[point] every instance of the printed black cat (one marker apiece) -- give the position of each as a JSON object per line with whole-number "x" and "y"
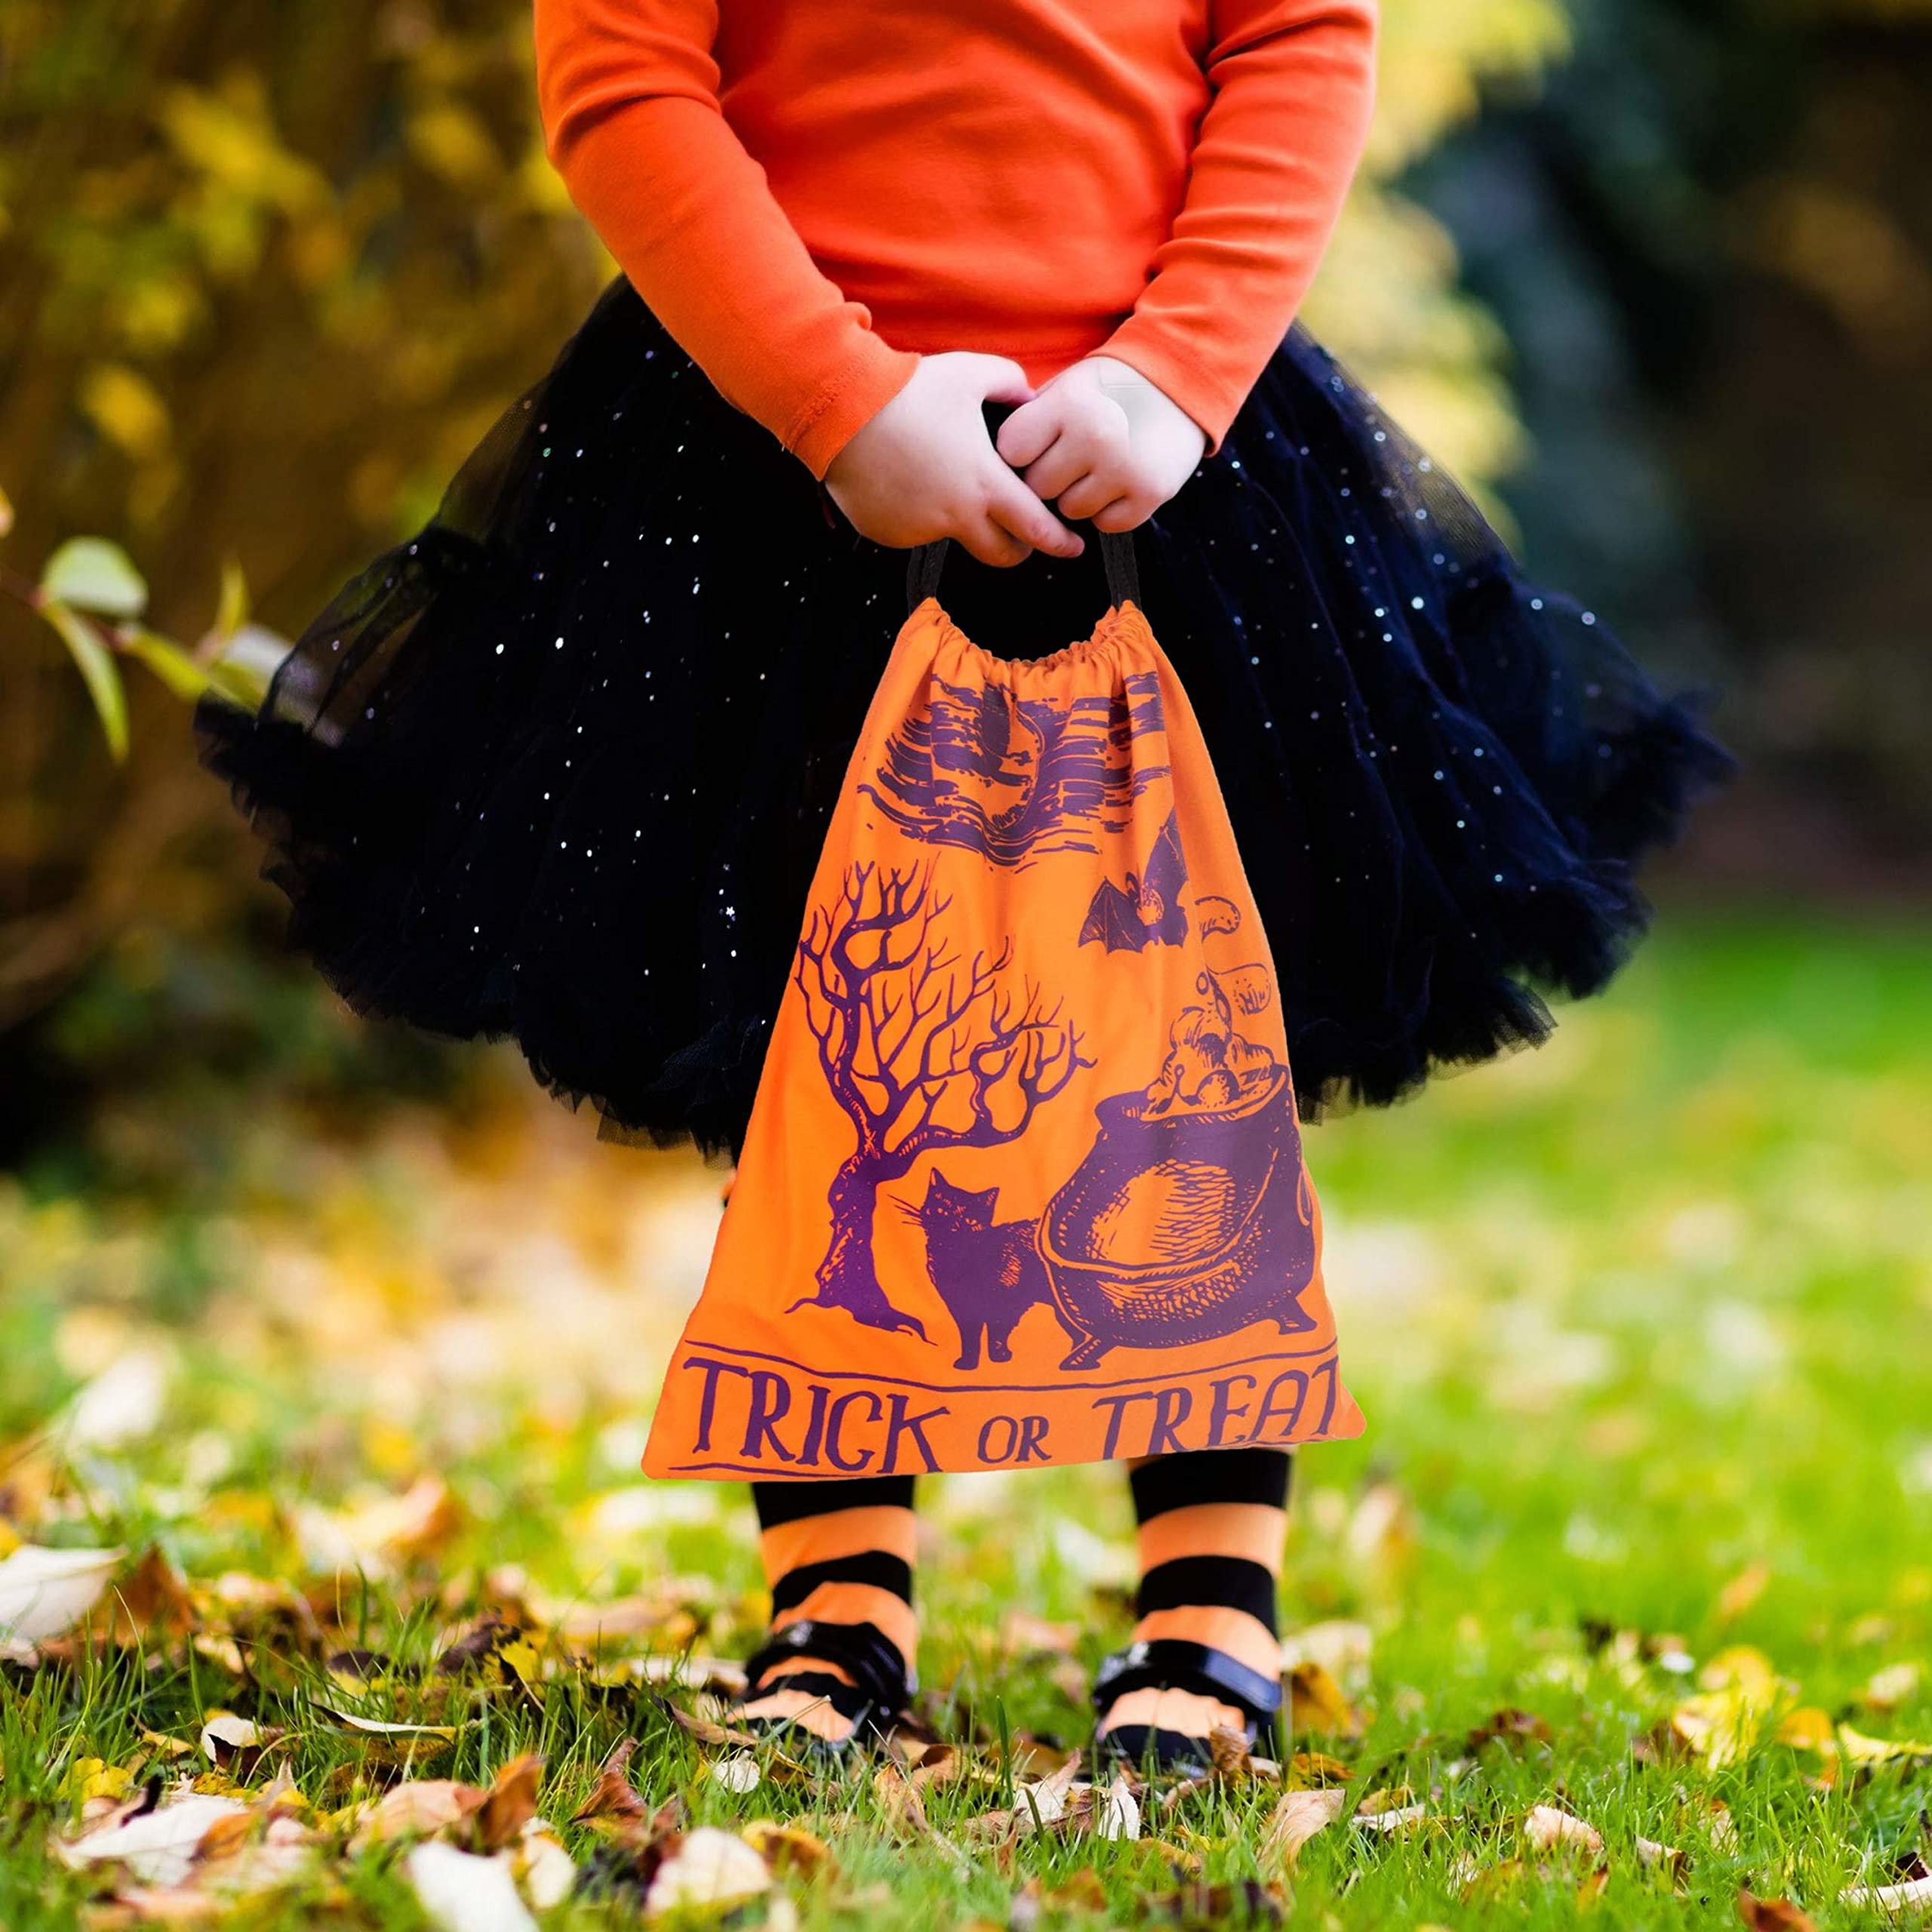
{"x": 988, "y": 1273}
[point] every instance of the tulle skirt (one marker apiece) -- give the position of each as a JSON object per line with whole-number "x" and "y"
{"x": 558, "y": 767}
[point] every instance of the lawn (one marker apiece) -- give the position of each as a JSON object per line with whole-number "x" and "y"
{"x": 1622, "y": 1606}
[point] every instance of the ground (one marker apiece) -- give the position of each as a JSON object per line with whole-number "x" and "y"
{"x": 1641, "y": 1531}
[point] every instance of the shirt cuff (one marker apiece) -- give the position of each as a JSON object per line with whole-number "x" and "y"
{"x": 846, "y": 402}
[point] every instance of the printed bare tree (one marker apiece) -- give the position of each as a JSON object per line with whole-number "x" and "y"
{"x": 922, "y": 1049}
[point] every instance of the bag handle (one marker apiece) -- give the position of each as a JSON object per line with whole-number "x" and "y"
{"x": 1116, "y": 553}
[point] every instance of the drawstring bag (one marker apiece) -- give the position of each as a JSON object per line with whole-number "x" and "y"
{"x": 1024, "y": 1183}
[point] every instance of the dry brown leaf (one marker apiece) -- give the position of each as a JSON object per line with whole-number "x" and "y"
{"x": 1477, "y": 1881}
{"x": 510, "y": 1803}
{"x": 1590, "y": 1887}
{"x": 707, "y": 1731}
{"x": 613, "y": 1797}
{"x": 1651, "y": 1852}
{"x": 1197, "y": 1903}
{"x": 442, "y": 1733}
{"x": 1308, "y": 1768}
{"x": 416, "y": 1809}
{"x": 936, "y": 1765}
{"x": 1228, "y": 1751}
{"x": 151, "y": 1604}
{"x": 1392, "y": 1810}
{"x": 1082, "y": 1893}
{"x": 237, "y": 1745}
{"x": 790, "y": 1848}
{"x": 1771, "y": 1914}
{"x": 1316, "y": 1703}
{"x": 1548, "y": 1826}
{"x": 1297, "y": 1817}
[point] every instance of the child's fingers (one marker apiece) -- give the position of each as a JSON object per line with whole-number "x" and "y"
{"x": 1011, "y": 505}
{"x": 1127, "y": 513}
{"x": 1069, "y": 460}
{"x": 1101, "y": 485}
{"x": 1000, "y": 379}
{"x": 1030, "y": 432}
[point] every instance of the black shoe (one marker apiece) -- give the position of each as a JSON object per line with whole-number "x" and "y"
{"x": 876, "y": 1697}
{"x": 1171, "y": 1663}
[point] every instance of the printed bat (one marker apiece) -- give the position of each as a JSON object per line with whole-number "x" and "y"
{"x": 1144, "y": 912}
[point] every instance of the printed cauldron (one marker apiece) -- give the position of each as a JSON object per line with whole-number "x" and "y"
{"x": 1183, "y": 1227}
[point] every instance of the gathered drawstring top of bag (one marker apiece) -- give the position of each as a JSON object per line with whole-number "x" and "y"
{"x": 1120, "y": 633}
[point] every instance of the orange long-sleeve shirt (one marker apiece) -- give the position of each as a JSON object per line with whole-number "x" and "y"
{"x": 810, "y": 193}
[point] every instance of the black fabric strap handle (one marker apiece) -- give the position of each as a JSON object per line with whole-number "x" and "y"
{"x": 1116, "y": 553}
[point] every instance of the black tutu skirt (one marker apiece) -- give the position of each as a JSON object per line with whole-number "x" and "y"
{"x": 560, "y": 767}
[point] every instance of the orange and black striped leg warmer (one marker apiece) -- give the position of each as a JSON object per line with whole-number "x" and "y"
{"x": 838, "y": 1556}
{"x": 1206, "y": 1654}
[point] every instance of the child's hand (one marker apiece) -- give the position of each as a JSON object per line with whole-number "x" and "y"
{"x": 924, "y": 467}
{"x": 1101, "y": 442}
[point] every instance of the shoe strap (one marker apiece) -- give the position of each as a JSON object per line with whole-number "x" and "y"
{"x": 1172, "y": 1663}
{"x": 870, "y": 1660}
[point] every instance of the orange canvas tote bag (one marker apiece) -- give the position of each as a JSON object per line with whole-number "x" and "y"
{"x": 1024, "y": 1181}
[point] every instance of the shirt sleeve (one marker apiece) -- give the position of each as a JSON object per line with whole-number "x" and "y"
{"x": 629, "y": 93}
{"x": 1294, "y": 82}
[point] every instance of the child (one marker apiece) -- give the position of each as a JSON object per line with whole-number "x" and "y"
{"x": 560, "y": 767}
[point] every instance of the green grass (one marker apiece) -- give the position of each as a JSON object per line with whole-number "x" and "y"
{"x": 1629, "y": 1317}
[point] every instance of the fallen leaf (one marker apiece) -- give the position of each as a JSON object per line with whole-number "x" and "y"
{"x": 706, "y": 1731}
{"x": 1316, "y": 1703}
{"x": 44, "y": 1592}
{"x": 1392, "y": 1809}
{"x": 711, "y": 1867}
{"x": 1897, "y": 1683}
{"x": 1651, "y": 1852}
{"x": 738, "y": 1773}
{"x": 1228, "y": 1750}
{"x": 460, "y": 1892}
{"x": 151, "y": 1603}
{"x": 1771, "y": 1914}
{"x": 374, "y": 1727}
{"x": 158, "y": 1847}
{"x": 510, "y": 1803}
{"x": 1913, "y": 1893}
{"x": 1311, "y": 1767}
{"x": 1807, "y": 1728}
{"x": 1297, "y": 1817}
{"x": 936, "y": 1764}
{"x": 789, "y": 1847}
{"x": 416, "y": 1809}
{"x": 1549, "y": 1826}
{"x": 614, "y": 1796}
{"x": 1119, "y": 1815}
{"x": 1198, "y": 1904}
{"x": 547, "y": 1872}
{"x": 368, "y": 1540}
